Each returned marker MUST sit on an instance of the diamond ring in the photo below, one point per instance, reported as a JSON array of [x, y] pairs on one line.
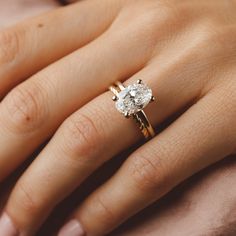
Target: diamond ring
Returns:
[[131, 100]]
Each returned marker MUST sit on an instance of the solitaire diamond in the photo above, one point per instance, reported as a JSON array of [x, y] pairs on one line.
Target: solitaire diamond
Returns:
[[133, 98]]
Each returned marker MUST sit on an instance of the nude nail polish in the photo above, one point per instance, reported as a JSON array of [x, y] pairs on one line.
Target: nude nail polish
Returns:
[[72, 228], [7, 227]]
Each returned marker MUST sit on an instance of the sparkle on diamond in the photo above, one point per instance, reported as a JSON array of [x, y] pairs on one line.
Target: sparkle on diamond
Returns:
[[133, 98]]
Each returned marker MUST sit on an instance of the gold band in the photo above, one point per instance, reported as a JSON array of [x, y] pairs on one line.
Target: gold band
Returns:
[[144, 124], [140, 117]]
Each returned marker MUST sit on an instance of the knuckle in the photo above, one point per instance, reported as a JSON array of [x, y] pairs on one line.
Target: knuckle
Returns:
[[143, 14], [215, 43], [147, 173], [219, 38], [166, 13], [154, 15], [225, 39], [26, 109], [11, 43], [168, 10], [28, 203], [107, 216], [81, 136], [211, 35]]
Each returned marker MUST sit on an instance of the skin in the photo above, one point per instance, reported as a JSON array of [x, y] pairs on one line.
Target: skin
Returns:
[[199, 77], [14, 11]]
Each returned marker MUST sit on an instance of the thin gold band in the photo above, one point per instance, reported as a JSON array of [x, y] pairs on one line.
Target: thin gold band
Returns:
[[140, 117], [144, 124]]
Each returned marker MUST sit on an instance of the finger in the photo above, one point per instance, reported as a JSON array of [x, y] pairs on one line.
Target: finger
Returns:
[[159, 165], [32, 45], [86, 140], [67, 1], [33, 111]]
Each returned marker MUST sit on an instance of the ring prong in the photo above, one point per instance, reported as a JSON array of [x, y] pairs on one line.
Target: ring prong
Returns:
[[153, 99], [139, 81], [114, 98], [127, 115]]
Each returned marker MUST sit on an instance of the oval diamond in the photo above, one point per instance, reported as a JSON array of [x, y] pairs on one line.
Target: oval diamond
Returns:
[[133, 98]]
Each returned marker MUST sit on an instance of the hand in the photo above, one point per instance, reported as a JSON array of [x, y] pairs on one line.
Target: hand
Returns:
[[184, 52]]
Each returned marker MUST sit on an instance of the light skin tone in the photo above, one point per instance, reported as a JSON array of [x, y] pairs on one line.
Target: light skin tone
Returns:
[[183, 51]]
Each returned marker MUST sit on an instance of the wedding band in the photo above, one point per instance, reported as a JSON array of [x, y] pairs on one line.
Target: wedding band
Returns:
[[131, 100]]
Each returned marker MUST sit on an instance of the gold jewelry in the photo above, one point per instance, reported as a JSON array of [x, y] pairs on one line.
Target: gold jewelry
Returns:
[[131, 101]]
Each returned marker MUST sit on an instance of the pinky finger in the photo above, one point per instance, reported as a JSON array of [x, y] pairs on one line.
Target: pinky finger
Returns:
[[158, 166]]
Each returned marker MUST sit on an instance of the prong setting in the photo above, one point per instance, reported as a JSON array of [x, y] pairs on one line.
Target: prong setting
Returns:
[[114, 98], [133, 98], [127, 115]]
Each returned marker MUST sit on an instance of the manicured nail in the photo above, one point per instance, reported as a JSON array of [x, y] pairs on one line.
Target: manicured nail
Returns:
[[7, 227], [72, 228]]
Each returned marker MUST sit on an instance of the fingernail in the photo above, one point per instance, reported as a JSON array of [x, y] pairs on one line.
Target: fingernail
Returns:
[[72, 228], [7, 227]]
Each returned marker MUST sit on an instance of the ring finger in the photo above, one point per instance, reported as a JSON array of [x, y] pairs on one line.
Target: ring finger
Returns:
[[84, 142]]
